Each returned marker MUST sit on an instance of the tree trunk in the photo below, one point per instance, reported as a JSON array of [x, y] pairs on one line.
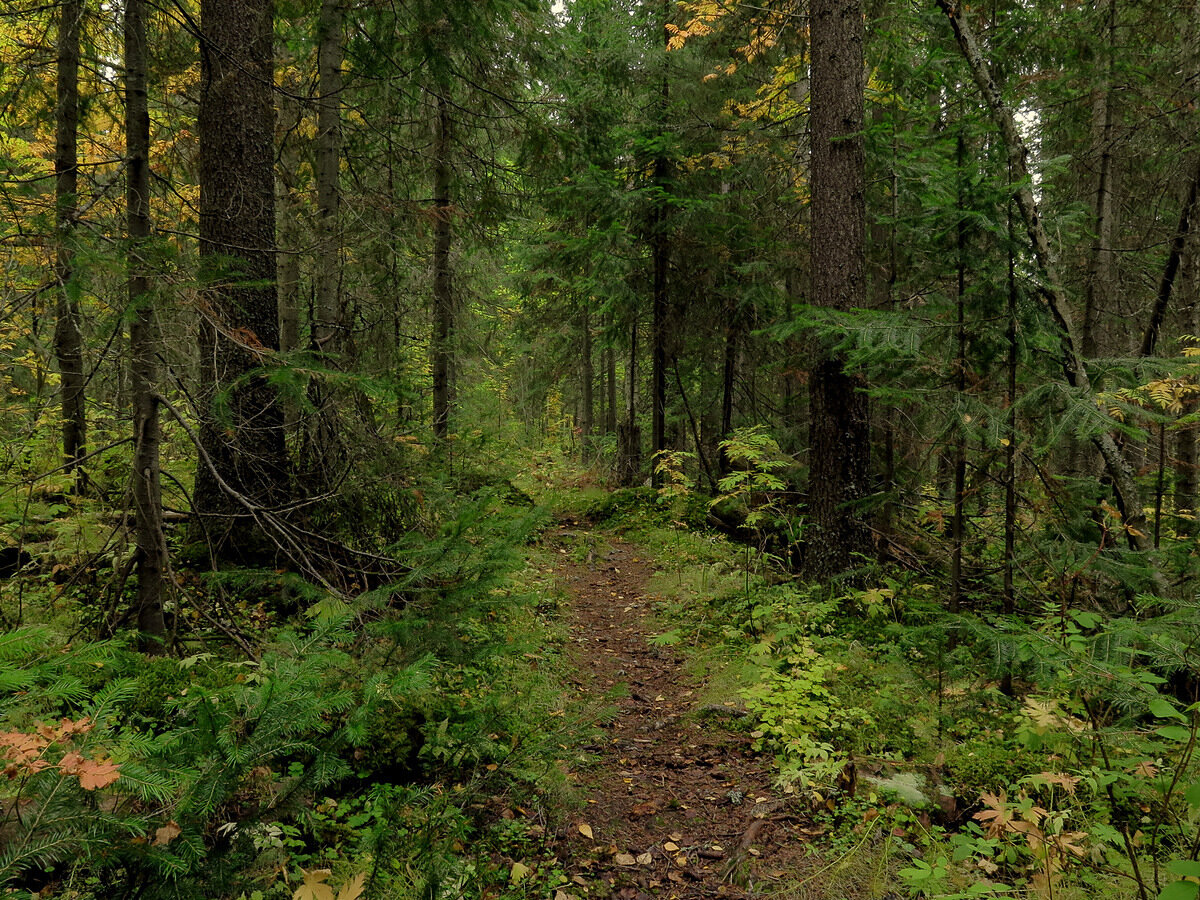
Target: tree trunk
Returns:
[[1185, 441], [143, 340], [840, 430], [660, 251], [443, 303], [241, 432], [586, 377], [629, 435], [68, 342], [958, 533], [610, 378], [329, 329], [323, 445], [1099, 288], [290, 115]]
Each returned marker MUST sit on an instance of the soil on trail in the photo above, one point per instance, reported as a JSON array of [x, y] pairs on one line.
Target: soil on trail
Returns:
[[678, 805]]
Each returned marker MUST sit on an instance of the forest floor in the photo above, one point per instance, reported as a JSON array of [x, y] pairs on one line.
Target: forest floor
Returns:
[[678, 805]]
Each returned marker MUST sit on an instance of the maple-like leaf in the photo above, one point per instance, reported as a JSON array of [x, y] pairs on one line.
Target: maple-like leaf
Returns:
[[96, 775], [166, 834], [997, 817], [353, 889], [313, 887]]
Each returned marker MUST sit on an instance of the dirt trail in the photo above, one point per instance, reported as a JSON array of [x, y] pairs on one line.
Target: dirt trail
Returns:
[[678, 806]]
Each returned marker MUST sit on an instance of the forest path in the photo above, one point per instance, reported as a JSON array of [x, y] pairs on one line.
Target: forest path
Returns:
[[678, 806]]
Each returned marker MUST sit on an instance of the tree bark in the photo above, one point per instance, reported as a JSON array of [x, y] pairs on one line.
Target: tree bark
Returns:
[[1099, 288], [323, 446], [443, 302], [1185, 441], [288, 211], [1050, 286], [660, 252], [143, 341], [586, 378], [840, 430], [958, 533], [241, 427], [329, 328], [610, 378], [68, 342]]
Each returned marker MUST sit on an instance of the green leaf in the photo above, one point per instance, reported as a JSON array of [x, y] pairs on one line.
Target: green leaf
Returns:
[[1180, 890], [1188, 868], [1174, 733], [1162, 709], [1192, 796]]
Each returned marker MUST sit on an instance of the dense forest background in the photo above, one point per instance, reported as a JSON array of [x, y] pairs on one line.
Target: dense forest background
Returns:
[[873, 322]]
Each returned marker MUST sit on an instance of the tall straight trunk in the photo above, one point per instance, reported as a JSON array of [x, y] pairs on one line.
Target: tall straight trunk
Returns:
[[660, 251], [586, 379], [728, 381], [958, 535], [244, 463], [443, 302], [840, 430], [329, 327], [288, 211], [1009, 602], [1099, 288], [68, 342], [143, 339], [629, 434], [1185, 440], [322, 447], [610, 378]]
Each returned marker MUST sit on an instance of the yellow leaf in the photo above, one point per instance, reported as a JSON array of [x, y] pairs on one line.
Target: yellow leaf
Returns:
[[353, 889], [518, 873], [313, 888], [586, 830]]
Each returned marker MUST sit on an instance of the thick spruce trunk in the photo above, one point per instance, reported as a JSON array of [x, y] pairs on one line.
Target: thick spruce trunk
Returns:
[[243, 465], [840, 430], [68, 342], [443, 301], [144, 340]]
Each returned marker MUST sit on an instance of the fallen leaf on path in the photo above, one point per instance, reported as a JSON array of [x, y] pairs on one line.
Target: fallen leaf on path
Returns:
[[518, 873], [586, 830], [645, 859], [670, 846], [676, 835], [681, 860], [624, 859], [563, 895]]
